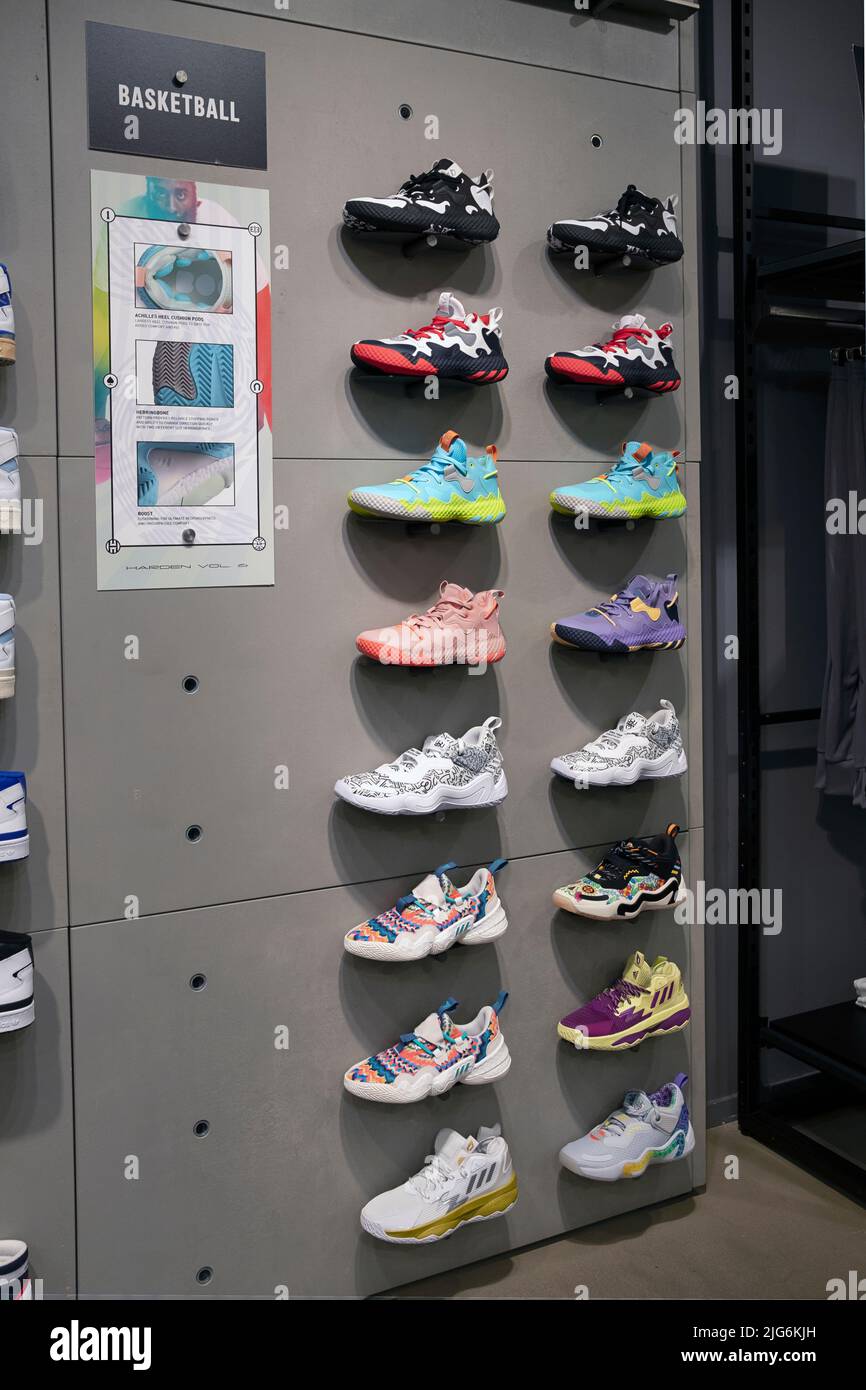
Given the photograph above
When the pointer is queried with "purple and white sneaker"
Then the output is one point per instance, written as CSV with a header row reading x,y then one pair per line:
x,y
641,617
646,1000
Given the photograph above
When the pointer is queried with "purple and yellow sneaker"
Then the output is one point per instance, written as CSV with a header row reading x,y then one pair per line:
x,y
435,1057
641,617
648,999
433,917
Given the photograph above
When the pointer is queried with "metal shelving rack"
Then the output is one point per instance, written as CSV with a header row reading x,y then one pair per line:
x,y
831,1041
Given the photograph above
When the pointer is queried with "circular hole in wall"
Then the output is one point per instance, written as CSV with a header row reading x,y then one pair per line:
x,y
194,834
204,1275
596,141
404,111
190,684
201,1129
198,981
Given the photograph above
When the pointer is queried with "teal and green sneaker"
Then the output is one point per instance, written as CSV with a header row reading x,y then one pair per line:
x,y
451,487
643,483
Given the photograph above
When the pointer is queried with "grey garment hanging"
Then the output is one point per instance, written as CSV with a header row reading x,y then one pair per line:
x,y
841,767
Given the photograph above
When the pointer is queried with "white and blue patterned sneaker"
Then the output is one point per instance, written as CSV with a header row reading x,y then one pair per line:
x,y
639,747
10,484
7,646
14,839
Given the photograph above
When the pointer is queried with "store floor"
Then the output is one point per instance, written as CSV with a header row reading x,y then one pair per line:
x,y
773,1232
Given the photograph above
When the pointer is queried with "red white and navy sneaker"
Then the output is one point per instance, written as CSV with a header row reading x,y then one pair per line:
x,y
638,226
636,355
456,346
445,200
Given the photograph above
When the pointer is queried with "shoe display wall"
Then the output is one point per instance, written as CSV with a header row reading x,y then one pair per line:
x,y
198,848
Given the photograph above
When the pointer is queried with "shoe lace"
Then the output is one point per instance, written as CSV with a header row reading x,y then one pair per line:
x,y
434,468
624,853
418,183
619,993
622,335
623,468
630,199
609,739
432,1178
434,329
435,743
612,607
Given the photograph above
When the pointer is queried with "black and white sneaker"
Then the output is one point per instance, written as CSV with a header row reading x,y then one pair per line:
x,y
16,981
445,201
638,226
14,1260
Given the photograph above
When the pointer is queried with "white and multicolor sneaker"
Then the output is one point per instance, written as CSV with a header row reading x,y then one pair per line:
x,y
446,774
434,916
10,484
463,1180
439,1054
7,319
641,746
649,1129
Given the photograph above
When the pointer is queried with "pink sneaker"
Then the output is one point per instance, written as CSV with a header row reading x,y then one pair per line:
x,y
461,629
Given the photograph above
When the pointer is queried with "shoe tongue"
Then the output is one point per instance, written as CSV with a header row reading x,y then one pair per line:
x,y
449,306
440,743
431,1029
430,890
636,451
454,593
448,168
637,1103
449,1144
637,970
450,449
632,722
631,321
641,585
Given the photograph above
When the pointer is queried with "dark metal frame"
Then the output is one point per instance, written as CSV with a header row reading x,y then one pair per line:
x,y
769,1119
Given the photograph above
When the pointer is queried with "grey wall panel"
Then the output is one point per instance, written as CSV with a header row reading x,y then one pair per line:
x,y
27,390
145,759
625,47
340,288
37,1176
271,1196
33,890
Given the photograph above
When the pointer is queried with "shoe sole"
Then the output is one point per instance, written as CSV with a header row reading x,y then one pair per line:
x,y
10,518
475,228
671,1152
653,508
486,512
430,1083
466,931
13,1019
639,254
387,361
485,1208
672,1020
590,643
7,352
7,683
473,641
640,770
484,793
14,849
671,893
577,373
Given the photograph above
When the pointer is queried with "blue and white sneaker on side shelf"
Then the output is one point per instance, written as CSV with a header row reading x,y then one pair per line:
x,y
7,319
10,484
14,839
434,916
16,981
7,646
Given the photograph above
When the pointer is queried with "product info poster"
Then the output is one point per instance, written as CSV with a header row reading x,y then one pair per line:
x,y
182,383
